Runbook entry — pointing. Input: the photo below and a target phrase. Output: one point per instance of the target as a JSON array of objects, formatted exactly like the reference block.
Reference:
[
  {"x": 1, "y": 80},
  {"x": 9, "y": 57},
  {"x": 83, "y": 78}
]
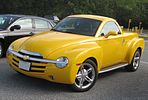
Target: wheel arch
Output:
[
  {"x": 2, "y": 41},
  {"x": 93, "y": 59},
  {"x": 140, "y": 49},
  {"x": 95, "y": 54},
  {"x": 137, "y": 44}
]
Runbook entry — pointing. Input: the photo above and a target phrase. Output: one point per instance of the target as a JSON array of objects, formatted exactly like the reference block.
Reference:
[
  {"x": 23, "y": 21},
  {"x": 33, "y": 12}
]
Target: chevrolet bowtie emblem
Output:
[{"x": 26, "y": 57}]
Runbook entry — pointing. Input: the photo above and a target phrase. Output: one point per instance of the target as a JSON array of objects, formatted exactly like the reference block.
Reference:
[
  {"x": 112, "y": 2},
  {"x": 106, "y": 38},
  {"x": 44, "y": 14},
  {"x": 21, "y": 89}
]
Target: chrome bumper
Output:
[{"x": 34, "y": 59}]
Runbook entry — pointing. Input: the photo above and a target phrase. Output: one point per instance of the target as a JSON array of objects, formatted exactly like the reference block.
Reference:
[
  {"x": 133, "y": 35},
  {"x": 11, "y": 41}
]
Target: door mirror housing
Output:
[
  {"x": 56, "y": 19},
  {"x": 111, "y": 33},
  {"x": 15, "y": 27}
]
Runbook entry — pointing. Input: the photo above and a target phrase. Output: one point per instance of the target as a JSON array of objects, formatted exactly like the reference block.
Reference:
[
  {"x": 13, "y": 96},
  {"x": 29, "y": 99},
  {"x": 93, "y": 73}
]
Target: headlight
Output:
[
  {"x": 9, "y": 49},
  {"x": 62, "y": 62}
]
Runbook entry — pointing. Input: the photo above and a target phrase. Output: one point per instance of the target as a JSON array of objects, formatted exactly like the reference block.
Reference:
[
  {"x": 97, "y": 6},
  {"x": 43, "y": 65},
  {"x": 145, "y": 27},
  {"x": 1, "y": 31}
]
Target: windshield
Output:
[
  {"x": 5, "y": 21},
  {"x": 75, "y": 25}
]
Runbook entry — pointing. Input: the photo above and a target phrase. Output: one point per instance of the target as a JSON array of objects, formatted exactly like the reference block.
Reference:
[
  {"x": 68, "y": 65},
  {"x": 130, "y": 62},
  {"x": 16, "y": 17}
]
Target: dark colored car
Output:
[{"x": 13, "y": 27}]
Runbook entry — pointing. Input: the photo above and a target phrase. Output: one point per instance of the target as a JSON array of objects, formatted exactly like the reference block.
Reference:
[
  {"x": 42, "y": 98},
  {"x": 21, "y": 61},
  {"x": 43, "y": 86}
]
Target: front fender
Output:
[
  {"x": 77, "y": 54},
  {"x": 2, "y": 36},
  {"x": 135, "y": 44},
  {"x": 94, "y": 52}
]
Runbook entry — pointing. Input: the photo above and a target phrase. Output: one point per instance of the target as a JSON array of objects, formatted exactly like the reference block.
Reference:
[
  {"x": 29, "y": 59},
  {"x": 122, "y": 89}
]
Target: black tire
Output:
[
  {"x": 1, "y": 50},
  {"x": 135, "y": 62},
  {"x": 88, "y": 64}
]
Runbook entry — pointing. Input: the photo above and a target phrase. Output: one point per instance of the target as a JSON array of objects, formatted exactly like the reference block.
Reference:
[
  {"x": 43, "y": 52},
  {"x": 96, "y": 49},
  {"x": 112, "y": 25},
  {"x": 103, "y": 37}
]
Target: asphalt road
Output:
[{"x": 114, "y": 85}]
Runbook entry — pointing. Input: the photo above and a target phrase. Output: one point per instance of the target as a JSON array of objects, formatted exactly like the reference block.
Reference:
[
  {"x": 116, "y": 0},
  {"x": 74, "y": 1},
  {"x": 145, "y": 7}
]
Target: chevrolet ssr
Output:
[{"x": 76, "y": 50}]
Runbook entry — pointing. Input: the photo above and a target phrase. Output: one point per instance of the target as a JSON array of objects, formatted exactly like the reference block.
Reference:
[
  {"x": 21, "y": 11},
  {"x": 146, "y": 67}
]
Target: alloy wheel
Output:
[
  {"x": 85, "y": 76},
  {"x": 136, "y": 60}
]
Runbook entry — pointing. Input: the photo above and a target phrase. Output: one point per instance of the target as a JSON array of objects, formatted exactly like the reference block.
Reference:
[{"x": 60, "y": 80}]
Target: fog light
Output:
[{"x": 51, "y": 77}]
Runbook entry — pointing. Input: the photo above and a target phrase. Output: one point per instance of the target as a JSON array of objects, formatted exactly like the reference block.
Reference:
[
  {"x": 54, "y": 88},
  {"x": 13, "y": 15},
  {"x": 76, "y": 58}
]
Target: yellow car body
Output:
[{"x": 104, "y": 51}]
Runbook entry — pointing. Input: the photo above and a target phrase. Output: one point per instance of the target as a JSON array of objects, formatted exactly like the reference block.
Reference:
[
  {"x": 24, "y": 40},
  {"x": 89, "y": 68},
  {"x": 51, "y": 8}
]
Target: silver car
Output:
[{"x": 13, "y": 27}]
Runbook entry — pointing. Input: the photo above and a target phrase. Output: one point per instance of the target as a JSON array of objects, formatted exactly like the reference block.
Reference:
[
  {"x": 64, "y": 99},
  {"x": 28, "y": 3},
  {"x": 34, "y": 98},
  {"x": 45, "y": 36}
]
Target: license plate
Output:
[{"x": 24, "y": 65}]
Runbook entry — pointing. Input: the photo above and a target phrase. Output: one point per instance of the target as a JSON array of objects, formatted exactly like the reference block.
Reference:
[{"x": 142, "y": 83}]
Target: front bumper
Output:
[
  {"x": 42, "y": 68},
  {"x": 33, "y": 59}
]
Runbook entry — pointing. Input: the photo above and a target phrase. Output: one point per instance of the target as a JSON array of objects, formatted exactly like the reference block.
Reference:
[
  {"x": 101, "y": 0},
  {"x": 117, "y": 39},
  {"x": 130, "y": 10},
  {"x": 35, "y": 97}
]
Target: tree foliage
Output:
[{"x": 122, "y": 10}]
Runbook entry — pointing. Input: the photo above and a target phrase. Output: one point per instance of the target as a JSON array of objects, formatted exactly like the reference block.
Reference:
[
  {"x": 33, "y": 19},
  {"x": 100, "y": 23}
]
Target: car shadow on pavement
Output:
[{"x": 27, "y": 82}]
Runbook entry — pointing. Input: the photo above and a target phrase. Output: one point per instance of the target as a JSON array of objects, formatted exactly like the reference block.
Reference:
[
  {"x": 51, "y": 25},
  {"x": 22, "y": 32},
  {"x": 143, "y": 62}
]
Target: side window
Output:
[
  {"x": 109, "y": 26},
  {"x": 42, "y": 24},
  {"x": 24, "y": 23}
]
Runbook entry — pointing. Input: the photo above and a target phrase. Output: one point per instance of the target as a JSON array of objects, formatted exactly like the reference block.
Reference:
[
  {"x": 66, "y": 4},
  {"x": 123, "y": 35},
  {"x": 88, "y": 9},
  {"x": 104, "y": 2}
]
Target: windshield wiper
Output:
[{"x": 61, "y": 31}]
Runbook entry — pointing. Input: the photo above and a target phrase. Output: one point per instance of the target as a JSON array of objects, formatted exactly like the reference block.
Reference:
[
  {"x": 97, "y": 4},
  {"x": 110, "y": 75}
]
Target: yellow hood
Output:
[{"x": 48, "y": 42}]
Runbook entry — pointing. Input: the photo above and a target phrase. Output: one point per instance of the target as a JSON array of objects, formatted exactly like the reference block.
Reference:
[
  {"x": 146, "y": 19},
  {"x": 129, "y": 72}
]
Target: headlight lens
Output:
[
  {"x": 63, "y": 61},
  {"x": 9, "y": 49}
]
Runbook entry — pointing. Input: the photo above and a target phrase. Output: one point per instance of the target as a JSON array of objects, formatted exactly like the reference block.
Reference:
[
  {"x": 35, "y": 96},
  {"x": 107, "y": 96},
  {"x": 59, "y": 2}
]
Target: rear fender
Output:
[{"x": 135, "y": 44}]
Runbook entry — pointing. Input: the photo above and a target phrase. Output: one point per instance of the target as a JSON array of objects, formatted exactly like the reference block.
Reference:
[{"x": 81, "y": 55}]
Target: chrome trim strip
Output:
[
  {"x": 113, "y": 68},
  {"x": 36, "y": 59},
  {"x": 30, "y": 53}
]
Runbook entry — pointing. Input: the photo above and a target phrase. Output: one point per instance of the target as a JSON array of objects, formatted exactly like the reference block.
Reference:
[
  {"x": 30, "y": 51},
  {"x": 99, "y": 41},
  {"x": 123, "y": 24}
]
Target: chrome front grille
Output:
[
  {"x": 36, "y": 66},
  {"x": 31, "y": 54}
]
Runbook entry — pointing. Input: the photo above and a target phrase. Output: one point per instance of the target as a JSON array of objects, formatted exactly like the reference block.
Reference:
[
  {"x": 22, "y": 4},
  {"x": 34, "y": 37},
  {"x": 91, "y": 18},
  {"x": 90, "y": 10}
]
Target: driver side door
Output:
[{"x": 112, "y": 46}]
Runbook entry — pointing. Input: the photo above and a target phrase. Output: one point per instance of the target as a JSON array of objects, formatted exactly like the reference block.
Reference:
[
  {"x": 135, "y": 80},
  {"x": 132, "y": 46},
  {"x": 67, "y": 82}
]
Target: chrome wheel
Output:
[
  {"x": 136, "y": 60},
  {"x": 85, "y": 76}
]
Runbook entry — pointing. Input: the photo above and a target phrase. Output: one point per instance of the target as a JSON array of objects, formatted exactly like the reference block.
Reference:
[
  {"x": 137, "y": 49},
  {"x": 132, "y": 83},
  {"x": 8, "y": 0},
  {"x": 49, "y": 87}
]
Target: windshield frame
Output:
[{"x": 79, "y": 18}]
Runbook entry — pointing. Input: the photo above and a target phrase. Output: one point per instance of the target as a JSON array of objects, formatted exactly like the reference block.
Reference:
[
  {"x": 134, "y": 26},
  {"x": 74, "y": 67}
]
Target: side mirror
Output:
[
  {"x": 113, "y": 33},
  {"x": 56, "y": 19},
  {"x": 15, "y": 27}
]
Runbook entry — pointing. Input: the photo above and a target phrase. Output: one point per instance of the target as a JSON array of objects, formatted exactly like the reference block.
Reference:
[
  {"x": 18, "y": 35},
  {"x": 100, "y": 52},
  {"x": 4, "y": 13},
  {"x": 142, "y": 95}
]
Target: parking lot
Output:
[{"x": 114, "y": 85}]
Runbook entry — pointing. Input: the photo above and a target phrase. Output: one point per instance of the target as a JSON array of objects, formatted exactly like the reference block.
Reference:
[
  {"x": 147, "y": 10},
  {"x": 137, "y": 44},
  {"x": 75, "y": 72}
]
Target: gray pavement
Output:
[{"x": 114, "y": 85}]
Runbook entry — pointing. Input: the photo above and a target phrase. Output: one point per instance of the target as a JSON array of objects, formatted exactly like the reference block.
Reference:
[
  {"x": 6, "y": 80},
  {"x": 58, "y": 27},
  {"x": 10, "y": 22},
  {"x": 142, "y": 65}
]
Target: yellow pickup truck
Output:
[{"x": 76, "y": 50}]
